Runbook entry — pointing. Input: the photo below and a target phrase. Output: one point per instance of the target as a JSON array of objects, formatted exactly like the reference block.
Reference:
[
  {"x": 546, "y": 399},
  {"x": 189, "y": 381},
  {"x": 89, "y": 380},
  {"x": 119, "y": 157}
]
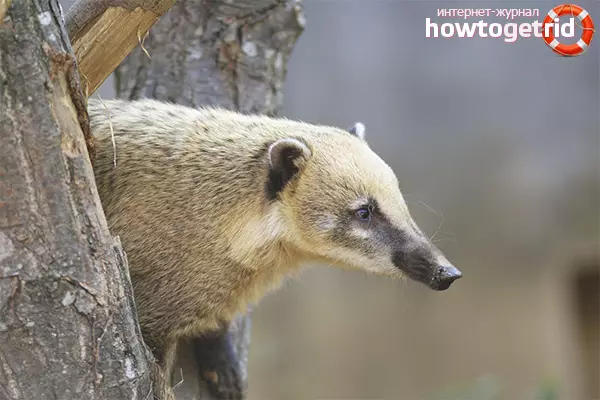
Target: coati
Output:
[{"x": 215, "y": 208}]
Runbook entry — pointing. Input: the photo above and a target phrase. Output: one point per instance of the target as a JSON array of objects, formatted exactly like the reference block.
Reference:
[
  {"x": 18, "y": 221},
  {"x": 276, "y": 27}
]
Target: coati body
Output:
[{"x": 216, "y": 208}]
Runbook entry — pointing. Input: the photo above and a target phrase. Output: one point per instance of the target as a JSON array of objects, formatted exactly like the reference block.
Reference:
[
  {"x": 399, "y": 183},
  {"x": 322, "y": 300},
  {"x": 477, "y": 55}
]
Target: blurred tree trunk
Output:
[
  {"x": 231, "y": 54},
  {"x": 68, "y": 327}
]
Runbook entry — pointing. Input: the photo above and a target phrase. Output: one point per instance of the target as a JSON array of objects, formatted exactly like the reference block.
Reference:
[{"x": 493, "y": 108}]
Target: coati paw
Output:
[
  {"x": 223, "y": 385},
  {"x": 219, "y": 366}
]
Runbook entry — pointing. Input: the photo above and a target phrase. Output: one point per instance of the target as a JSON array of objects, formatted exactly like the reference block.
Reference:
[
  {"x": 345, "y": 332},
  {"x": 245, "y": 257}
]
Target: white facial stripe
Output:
[
  {"x": 327, "y": 222},
  {"x": 358, "y": 203},
  {"x": 361, "y": 233}
]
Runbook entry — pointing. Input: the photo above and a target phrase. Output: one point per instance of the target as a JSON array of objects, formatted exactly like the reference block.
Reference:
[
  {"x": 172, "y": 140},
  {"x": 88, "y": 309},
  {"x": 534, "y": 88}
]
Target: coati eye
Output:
[{"x": 364, "y": 213}]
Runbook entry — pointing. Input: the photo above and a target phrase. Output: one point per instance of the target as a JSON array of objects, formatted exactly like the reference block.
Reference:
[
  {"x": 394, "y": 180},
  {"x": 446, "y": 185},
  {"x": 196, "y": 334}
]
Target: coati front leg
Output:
[
  {"x": 162, "y": 369},
  {"x": 219, "y": 364}
]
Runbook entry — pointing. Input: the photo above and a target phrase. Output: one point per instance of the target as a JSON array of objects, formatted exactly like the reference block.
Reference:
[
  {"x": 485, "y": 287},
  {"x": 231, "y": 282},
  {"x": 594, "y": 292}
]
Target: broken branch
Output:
[{"x": 104, "y": 32}]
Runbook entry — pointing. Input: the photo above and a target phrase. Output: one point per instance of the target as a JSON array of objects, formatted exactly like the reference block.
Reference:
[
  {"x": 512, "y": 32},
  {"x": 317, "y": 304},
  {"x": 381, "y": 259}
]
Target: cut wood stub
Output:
[{"x": 102, "y": 43}]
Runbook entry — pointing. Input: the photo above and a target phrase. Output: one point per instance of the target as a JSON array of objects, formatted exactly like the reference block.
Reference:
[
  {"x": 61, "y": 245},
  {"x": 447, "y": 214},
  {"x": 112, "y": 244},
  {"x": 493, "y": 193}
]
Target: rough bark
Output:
[
  {"x": 68, "y": 327},
  {"x": 231, "y": 54}
]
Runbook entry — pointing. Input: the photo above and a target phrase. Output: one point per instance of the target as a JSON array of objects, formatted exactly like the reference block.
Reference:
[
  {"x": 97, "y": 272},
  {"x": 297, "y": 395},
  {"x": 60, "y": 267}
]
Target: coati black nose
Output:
[{"x": 446, "y": 276}]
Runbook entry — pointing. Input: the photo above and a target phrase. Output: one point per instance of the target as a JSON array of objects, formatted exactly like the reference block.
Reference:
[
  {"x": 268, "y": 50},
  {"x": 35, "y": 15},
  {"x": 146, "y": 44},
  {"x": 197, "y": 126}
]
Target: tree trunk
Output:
[
  {"x": 231, "y": 54},
  {"x": 68, "y": 327}
]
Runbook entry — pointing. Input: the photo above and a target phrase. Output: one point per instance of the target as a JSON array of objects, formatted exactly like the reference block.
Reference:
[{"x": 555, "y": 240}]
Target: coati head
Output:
[{"x": 343, "y": 206}]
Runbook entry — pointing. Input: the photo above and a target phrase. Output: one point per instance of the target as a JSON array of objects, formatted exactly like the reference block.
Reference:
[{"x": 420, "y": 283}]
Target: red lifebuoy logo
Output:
[{"x": 551, "y": 22}]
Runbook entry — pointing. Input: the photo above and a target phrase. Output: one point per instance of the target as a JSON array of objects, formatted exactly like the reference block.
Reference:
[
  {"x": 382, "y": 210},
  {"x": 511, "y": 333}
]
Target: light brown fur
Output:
[{"x": 187, "y": 197}]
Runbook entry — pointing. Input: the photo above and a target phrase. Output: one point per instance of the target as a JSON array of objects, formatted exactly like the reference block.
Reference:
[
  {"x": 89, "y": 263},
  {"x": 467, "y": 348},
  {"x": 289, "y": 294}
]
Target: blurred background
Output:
[{"x": 497, "y": 149}]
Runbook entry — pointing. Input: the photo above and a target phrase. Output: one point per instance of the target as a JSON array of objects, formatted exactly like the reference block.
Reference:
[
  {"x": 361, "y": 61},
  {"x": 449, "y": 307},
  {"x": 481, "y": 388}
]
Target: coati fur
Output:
[{"x": 215, "y": 208}]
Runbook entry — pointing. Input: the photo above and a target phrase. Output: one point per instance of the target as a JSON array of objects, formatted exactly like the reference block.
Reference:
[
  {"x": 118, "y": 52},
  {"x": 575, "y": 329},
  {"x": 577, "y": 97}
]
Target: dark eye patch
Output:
[{"x": 364, "y": 213}]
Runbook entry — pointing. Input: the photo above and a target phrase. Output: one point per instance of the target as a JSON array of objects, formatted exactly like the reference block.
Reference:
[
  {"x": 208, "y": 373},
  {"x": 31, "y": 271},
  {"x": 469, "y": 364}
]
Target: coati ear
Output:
[
  {"x": 358, "y": 130},
  {"x": 287, "y": 157}
]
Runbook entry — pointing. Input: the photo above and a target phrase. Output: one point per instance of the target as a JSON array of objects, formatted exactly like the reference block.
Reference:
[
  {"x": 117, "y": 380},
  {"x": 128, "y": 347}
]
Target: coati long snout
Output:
[{"x": 215, "y": 208}]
